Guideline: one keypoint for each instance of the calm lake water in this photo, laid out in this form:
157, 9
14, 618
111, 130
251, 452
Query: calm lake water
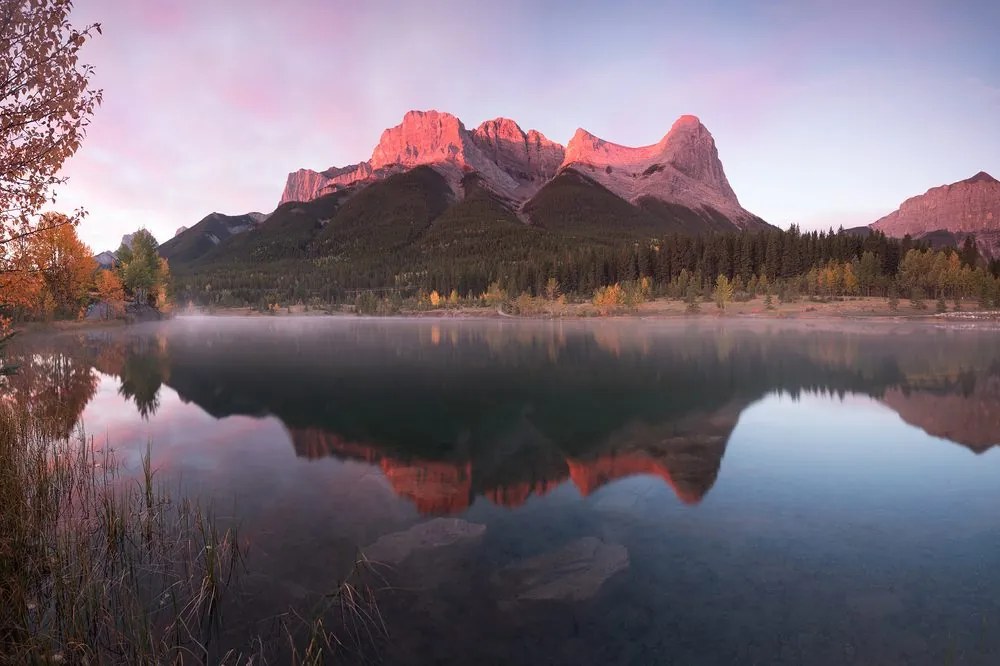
605, 492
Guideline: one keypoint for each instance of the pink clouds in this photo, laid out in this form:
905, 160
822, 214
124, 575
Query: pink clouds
208, 105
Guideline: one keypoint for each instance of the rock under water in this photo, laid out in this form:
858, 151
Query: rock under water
431, 535
572, 573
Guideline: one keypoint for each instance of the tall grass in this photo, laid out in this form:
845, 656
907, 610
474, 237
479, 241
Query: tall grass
96, 567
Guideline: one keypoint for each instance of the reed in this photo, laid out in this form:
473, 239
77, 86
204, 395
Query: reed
97, 567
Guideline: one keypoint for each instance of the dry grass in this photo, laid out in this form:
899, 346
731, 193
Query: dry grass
99, 568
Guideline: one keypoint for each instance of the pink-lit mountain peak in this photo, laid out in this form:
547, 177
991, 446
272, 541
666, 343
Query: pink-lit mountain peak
682, 168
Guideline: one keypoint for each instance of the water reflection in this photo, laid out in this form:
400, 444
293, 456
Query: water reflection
452, 411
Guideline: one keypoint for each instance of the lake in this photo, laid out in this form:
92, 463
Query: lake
578, 492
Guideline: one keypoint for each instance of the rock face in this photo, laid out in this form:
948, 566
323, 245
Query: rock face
572, 573
530, 159
968, 206
683, 168
510, 162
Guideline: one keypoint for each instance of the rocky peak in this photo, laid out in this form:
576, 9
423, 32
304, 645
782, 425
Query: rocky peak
683, 168
981, 177
528, 158
424, 137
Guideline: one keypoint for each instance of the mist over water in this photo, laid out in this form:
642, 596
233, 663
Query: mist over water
648, 492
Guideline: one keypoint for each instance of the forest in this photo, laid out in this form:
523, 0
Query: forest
787, 264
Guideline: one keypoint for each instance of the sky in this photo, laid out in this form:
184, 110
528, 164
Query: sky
824, 113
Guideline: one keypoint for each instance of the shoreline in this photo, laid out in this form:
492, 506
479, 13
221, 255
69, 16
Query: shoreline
855, 309
860, 309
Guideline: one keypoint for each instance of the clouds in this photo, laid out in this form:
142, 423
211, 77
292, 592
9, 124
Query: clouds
816, 107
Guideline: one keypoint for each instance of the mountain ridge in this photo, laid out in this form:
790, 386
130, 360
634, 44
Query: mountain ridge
969, 206
683, 168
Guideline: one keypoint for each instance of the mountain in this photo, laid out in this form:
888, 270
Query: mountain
440, 206
191, 243
683, 169
970, 206
105, 259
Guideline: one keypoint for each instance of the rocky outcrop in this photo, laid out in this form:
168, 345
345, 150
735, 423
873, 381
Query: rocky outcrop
682, 168
306, 184
968, 206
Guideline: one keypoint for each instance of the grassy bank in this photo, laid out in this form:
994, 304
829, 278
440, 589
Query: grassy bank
99, 568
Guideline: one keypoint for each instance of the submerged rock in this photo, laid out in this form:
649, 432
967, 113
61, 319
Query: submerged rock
424, 537
572, 573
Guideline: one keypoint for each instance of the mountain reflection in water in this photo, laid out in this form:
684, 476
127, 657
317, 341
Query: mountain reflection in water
627, 491
452, 411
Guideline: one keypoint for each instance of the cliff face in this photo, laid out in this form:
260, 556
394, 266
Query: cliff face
968, 206
529, 159
683, 168
509, 161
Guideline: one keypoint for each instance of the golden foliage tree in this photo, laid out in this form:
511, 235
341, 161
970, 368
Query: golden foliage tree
46, 102
110, 291
723, 292
49, 272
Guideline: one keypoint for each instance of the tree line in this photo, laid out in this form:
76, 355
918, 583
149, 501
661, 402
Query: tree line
51, 274
785, 263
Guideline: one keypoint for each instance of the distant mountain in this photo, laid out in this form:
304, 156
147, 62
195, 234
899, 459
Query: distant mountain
951, 212
192, 243
105, 259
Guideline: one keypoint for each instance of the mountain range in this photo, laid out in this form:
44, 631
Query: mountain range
430, 178
434, 193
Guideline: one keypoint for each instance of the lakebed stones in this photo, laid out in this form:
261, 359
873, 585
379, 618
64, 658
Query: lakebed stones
423, 539
574, 572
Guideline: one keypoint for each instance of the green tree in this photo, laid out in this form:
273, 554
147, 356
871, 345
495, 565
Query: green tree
139, 266
692, 298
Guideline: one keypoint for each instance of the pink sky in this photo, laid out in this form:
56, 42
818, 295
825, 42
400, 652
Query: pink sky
824, 113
